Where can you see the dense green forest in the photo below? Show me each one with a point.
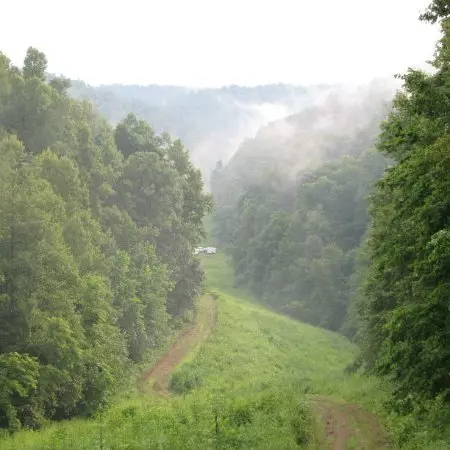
(97, 228)
(212, 122)
(291, 206)
(405, 306)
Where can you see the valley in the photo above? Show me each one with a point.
(255, 379)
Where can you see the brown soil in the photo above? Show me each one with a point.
(159, 374)
(346, 424)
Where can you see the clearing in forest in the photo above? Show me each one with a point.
(260, 381)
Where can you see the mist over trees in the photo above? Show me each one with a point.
(291, 206)
(97, 228)
(337, 214)
(327, 229)
(211, 122)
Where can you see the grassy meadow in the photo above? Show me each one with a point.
(250, 385)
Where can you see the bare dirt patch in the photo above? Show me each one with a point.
(159, 375)
(348, 426)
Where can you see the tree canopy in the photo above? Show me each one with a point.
(97, 228)
(291, 207)
(405, 309)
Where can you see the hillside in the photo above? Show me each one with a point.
(97, 228)
(212, 123)
(249, 385)
(322, 321)
(291, 205)
(345, 123)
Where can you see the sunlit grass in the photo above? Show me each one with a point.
(244, 387)
(248, 385)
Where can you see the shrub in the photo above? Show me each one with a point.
(185, 380)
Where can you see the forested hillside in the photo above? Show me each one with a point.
(251, 384)
(337, 214)
(291, 205)
(97, 228)
(211, 122)
(405, 307)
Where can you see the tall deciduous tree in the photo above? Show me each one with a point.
(405, 311)
(35, 64)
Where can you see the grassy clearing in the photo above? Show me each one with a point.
(327, 379)
(253, 383)
(428, 429)
(310, 360)
(244, 387)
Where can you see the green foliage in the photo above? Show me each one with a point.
(210, 122)
(436, 10)
(18, 400)
(134, 136)
(97, 228)
(185, 380)
(300, 257)
(291, 206)
(405, 312)
(254, 370)
(283, 153)
(35, 64)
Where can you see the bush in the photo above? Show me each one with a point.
(18, 380)
(185, 380)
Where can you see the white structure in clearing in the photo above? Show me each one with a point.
(207, 250)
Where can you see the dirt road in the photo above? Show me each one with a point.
(347, 426)
(159, 375)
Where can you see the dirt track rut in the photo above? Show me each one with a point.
(347, 426)
(159, 374)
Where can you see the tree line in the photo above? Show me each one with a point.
(97, 230)
(291, 207)
(209, 121)
(404, 310)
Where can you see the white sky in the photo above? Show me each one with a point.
(220, 42)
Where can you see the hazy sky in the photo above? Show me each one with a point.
(220, 42)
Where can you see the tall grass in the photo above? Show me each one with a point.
(428, 428)
(246, 387)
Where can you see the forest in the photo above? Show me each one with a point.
(211, 122)
(98, 225)
(328, 296)
(291, 206)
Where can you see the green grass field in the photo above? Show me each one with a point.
(249, 385)
(246, 387)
